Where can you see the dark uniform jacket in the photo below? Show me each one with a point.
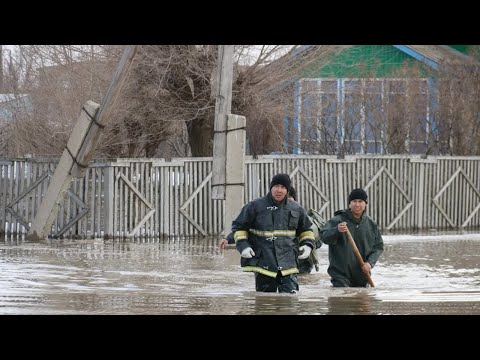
(344, 266)
(274, 232)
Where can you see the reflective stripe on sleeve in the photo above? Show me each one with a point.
(240, 235)
(306, 235)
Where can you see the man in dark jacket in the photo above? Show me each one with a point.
(270, 233)
(344, 268)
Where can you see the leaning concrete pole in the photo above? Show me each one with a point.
(80, 149)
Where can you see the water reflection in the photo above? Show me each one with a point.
(359, 302)
(266, 304)
(190, 276)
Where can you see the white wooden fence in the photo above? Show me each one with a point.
(157, 198)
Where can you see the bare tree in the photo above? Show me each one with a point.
(57, 81)
(458, 117)
(146, 114)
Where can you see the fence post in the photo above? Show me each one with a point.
(109, 196)
(421, 182)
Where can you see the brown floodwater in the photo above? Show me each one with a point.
(413, 276)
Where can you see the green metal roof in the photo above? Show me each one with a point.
(356, 61)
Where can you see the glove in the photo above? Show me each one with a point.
(305, 251)
(247, 253)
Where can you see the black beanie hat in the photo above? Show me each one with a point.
(357, 194)
(282, 179)
(293, 193)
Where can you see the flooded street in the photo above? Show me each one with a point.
(415, 275)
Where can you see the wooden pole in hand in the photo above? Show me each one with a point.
(358, 256)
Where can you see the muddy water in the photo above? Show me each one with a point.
(191, 277)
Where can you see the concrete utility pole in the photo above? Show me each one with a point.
(80, 149)
(228, 178)
(235, 170)
(1, 68)
(223, 106)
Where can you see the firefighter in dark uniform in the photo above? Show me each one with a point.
(270, 233)
(344, 268)
(305, 266)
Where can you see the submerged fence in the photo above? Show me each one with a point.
(158, 198)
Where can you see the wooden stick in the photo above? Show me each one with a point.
(358, 256)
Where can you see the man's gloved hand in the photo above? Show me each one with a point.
(305, 251)
(247, 253)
